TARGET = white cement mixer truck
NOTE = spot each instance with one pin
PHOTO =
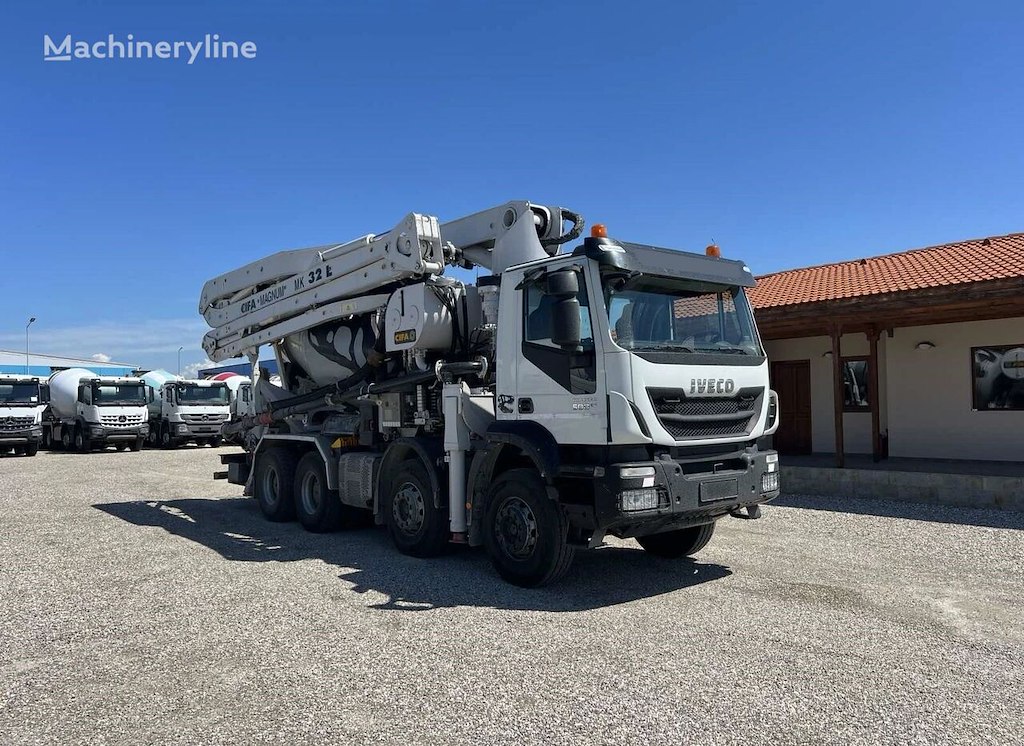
(182, 411)
(614, 389)
(88, 411)
(22, 401)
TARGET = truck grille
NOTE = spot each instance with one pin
(120, 420)
(10, 424)
(204, 419)
(689, 418)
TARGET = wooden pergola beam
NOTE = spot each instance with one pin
(837, 393)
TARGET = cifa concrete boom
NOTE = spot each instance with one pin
(613, 388)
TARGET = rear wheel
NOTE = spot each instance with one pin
(319, 509)
(417, 527)
(525, 531)
(153, 438)
(680, 543)
(274, 484)
(65, 438)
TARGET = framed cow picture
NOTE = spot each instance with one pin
(998, 377)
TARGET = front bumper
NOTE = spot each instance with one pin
(680, 493)
(187, 430)
(21, 437)
(100, 434)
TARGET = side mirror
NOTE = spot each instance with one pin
(83, 394)
(565, 323)
(44, 393)
(562, 283)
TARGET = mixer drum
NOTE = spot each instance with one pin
(333, 351)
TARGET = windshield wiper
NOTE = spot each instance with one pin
(662, 348)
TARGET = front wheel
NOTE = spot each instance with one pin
(32, 448)
(82, 444)
(417, 527)
(136, 445)
(166, 441)
(525, 531)
(274, 485)
(319, 509)
(680, 543)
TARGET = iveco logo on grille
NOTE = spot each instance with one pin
(712, 386)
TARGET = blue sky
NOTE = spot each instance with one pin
(792, 134)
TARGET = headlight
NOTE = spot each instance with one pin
(96, 430)
(635, 472)
(770, 482)
(631, 501)
(182, 428)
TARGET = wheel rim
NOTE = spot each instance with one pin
(515, 528)
(311, 492)
(79, 440)
(65, 439)
(271, 486)
(408, 508)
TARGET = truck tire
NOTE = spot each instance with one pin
(47, 442)
(417, 527)
(136, 445)
(65, 438)
(274, 485)
(525, 532)
(82, 444)
(318, 508)
(32, 448)
(166, 441)
(153, 439)
(680, 543)
(215, 442)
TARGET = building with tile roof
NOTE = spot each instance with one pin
(915, 354)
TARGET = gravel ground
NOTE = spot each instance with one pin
(145, 603)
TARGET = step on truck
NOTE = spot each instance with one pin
(22, 401)
(610, 389)
(183, 411)
(89, 412)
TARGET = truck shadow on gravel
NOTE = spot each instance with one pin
(236, 530)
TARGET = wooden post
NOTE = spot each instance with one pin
(837, 394)
(876, 399)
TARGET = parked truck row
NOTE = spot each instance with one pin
(78, 410)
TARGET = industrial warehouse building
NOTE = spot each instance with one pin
(13, 362)
(918, 354)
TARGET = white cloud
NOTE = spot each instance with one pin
(99, 357)
(191, 371)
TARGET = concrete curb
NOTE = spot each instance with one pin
(962, 490)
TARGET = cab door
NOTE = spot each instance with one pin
(557, 387)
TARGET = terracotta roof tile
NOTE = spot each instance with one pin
(975, 260)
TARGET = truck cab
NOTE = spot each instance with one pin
(188, 411)
(22, 401)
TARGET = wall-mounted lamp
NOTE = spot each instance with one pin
(925, 345)
(827, 353)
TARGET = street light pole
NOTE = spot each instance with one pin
(179, 361)
(30, 322)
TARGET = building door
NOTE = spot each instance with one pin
(791, 379)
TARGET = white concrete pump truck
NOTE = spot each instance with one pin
(89, 412)
(613, 389)
(22, 401)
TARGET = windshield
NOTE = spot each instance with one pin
(212, 395)
(19, 394)
(663, 314)
(123, 394)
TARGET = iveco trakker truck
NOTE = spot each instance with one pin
(89, 412)
(22, 401)
(182, 411)
(612, 389)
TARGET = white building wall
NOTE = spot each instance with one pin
(926, 395)
(930, 394)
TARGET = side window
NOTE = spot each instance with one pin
(537, 310)
(574, 371)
